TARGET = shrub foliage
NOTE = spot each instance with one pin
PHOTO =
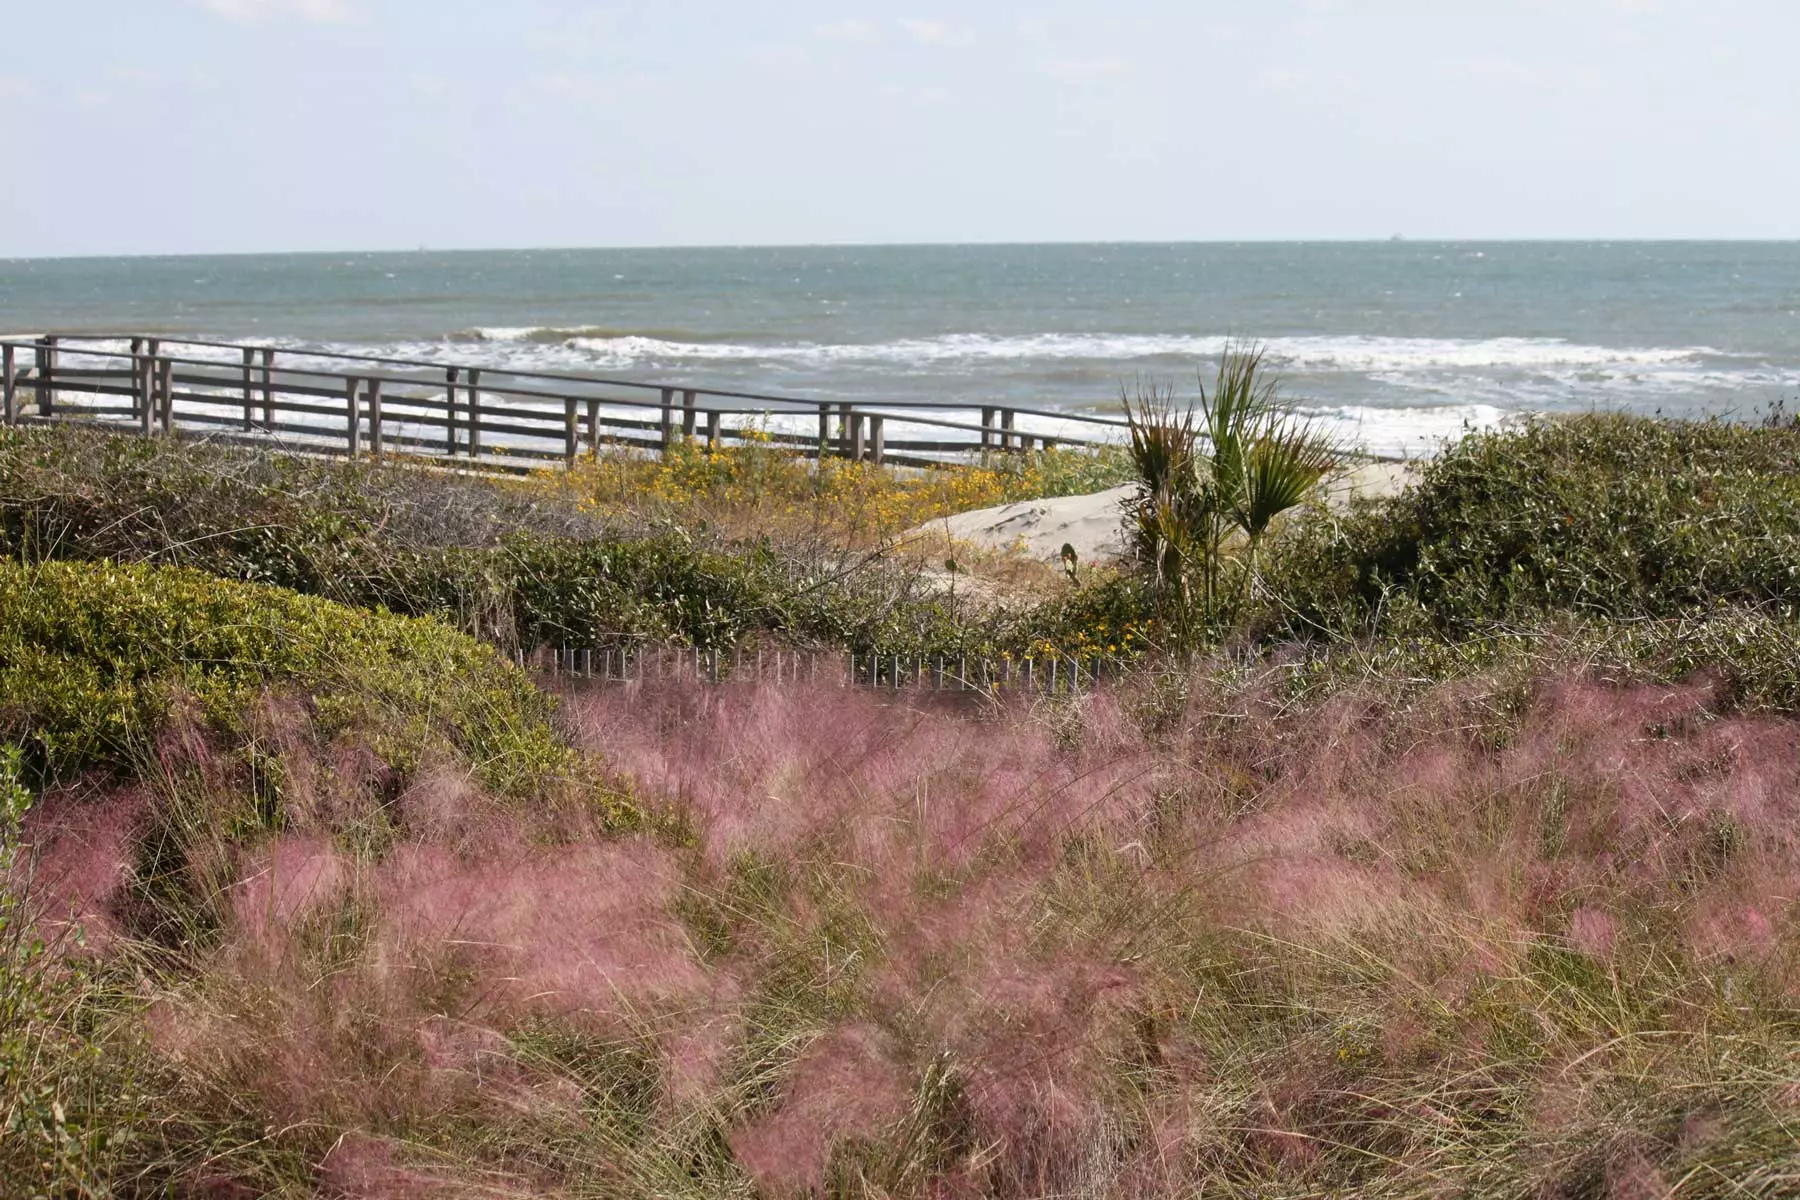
(93, 656)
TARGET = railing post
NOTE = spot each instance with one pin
(824, 431)
(450, 374)
(268, 386)
(877, 443)
(166, 381)
(987, 427)
(593, 416)
(249, 406)
(570, 441)
(474, 413)
(687, 414)
(143, 378)
(352, 418)
(712, 429)
(137, 376)
(844, 411)
(375, 417)
(1006, 428)
(9, 388)
(668, 417)
(856, 436)
(46, 372)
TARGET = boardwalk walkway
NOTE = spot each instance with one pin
(480, 416)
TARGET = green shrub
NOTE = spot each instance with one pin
(1608, 516)
(511, 567)
(93, 655)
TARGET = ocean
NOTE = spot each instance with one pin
(1397, 345)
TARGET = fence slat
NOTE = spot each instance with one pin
(9, 393)
(375, 417)
(450, 391)
(46, 372)
(249, 405)
(166, 381)
(352, 420)
(474, 413)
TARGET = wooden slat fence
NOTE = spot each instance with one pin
(1047, 675)
(475, 415)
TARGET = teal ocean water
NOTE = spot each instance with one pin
(1399, 344)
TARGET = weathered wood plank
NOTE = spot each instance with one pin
(474, 413)
(9, 386)
(249, 403)
(352, 418)
(166, 385)
(46, 376)
(374, 396)
(450, 374)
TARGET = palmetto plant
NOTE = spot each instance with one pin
(1213, 478)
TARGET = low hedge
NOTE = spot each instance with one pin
(92, 656)
(500, 563)
(1604, 516)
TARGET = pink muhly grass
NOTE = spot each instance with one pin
(580, 931)
(845, 1086)
(292, 878)
(82, 854)
(775, 769)
(1632, 1177)
(361, 1166)
(1728, 930)
(443, 806)
(1594, 932)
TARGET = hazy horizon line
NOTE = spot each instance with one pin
(920, 245)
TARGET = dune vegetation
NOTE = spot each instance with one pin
(1445, 849)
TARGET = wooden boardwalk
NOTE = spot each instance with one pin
(475, 415)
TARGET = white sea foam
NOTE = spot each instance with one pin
(1355, 353)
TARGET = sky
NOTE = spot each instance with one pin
(221, 126)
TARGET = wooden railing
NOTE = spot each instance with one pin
(496, 418)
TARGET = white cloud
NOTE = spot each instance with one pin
(936, 33)
(1083, 70)
(14, 88)
(847, 31)
(246, 11)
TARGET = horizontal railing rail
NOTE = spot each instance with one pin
(492, 417)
